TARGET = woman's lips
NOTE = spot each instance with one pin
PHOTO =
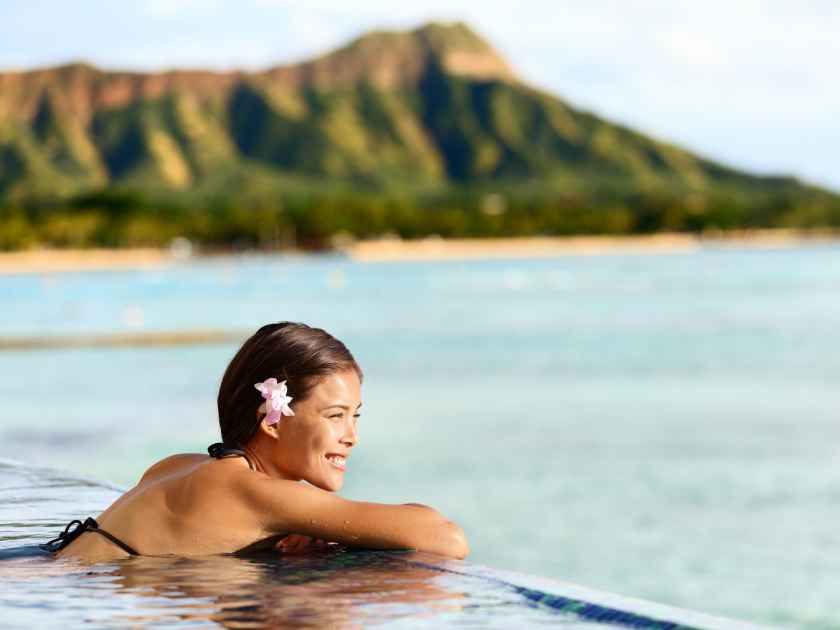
(337, 461)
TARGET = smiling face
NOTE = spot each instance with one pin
(314, 444)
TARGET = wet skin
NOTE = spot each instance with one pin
(192, 504)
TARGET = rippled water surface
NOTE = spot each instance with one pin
(337, 589)
(658, 426)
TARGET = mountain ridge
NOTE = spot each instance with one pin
(401, 114)
(452, 44)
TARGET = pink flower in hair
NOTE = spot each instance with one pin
(276, 403)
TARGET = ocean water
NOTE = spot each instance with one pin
(659, 426)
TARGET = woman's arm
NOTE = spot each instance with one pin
(292, 507)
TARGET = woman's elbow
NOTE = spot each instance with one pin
(456, 542)
(439, 535)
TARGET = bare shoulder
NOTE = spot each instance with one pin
(171, 465)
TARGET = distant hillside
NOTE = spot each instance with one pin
(432, 117)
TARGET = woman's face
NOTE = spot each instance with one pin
(315, 443)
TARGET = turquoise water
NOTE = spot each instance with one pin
(660, 426)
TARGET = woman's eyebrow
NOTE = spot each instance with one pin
(340, 406)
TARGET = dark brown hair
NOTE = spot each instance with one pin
(287, 351)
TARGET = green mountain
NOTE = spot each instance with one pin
(431, 118)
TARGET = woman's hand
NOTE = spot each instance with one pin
(298, 543)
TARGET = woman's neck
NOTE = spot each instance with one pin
(263, 464)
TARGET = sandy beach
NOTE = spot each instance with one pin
(123, 340)
(546, 247)
(62, 260)
(49, 261)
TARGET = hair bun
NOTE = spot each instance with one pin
(216, 450)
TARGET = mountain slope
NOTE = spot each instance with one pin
(433, 109)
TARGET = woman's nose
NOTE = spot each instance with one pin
(351, 434)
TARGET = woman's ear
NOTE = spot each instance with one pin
(270, 430)
(263, 424)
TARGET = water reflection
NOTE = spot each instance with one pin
(349, 589)
(335, 589)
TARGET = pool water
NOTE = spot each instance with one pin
(335, 589)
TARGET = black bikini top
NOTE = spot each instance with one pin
(220, 451)
(76, 528)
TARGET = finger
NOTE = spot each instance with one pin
(300, 549)
(302, 543)
(288, 543)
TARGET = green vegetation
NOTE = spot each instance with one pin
(416, 133)
(313, 219)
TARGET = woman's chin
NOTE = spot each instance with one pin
(334, 487)
(330, 485)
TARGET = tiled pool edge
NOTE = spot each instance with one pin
(587, 603)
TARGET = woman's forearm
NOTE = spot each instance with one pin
(287, 506)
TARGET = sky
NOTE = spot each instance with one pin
(752, 83)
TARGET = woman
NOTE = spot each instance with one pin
(288, 408)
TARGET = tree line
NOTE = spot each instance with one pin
(317, 220)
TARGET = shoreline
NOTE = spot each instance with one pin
(137, 339)
(67, 260)
(393, 250)
(48, 261)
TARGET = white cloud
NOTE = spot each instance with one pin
(169, 8)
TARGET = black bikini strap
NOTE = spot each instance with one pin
(75, 529)
(220, 451)
(92, 526)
